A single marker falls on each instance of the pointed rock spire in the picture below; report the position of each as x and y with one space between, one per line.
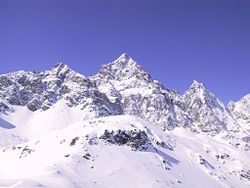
60 70
59 67
197 84
123 61
241 110
198 89
63 71
123 57
205 108
124 67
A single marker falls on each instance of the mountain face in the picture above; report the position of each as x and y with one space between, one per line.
205 109
40 90
120 87
121 109
138 94
241 111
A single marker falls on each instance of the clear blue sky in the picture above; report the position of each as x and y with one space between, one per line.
176 41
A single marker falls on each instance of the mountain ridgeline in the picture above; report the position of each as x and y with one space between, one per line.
122 87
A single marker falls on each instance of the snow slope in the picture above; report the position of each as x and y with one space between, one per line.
78 156
26 125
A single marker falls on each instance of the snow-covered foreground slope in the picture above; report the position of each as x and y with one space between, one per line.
123 151
23 124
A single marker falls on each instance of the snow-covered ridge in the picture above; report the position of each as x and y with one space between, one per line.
118 128
120 87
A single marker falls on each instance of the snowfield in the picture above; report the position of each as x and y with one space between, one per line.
78 156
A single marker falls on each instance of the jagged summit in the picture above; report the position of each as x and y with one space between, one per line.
196 84
60 65
124 57
196 89
63 71
241 111
124 61
199 90
60 70
123 68
205 108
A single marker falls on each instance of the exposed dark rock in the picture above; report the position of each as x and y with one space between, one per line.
136 139
245 174
73 141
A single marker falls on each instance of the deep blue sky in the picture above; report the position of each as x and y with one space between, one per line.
176 41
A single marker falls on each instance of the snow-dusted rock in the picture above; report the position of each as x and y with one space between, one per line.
137 93
241 111
122 87
207 112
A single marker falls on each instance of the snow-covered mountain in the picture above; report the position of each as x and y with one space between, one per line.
241 111
119 127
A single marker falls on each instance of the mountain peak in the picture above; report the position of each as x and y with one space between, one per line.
198 90
59 66
124 60
124 67
197 84
60 70
124 56
243 104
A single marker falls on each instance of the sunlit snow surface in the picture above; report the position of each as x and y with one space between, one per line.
76 156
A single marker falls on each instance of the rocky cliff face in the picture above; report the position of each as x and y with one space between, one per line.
40 90
241 111
137 93
121 87
207 112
